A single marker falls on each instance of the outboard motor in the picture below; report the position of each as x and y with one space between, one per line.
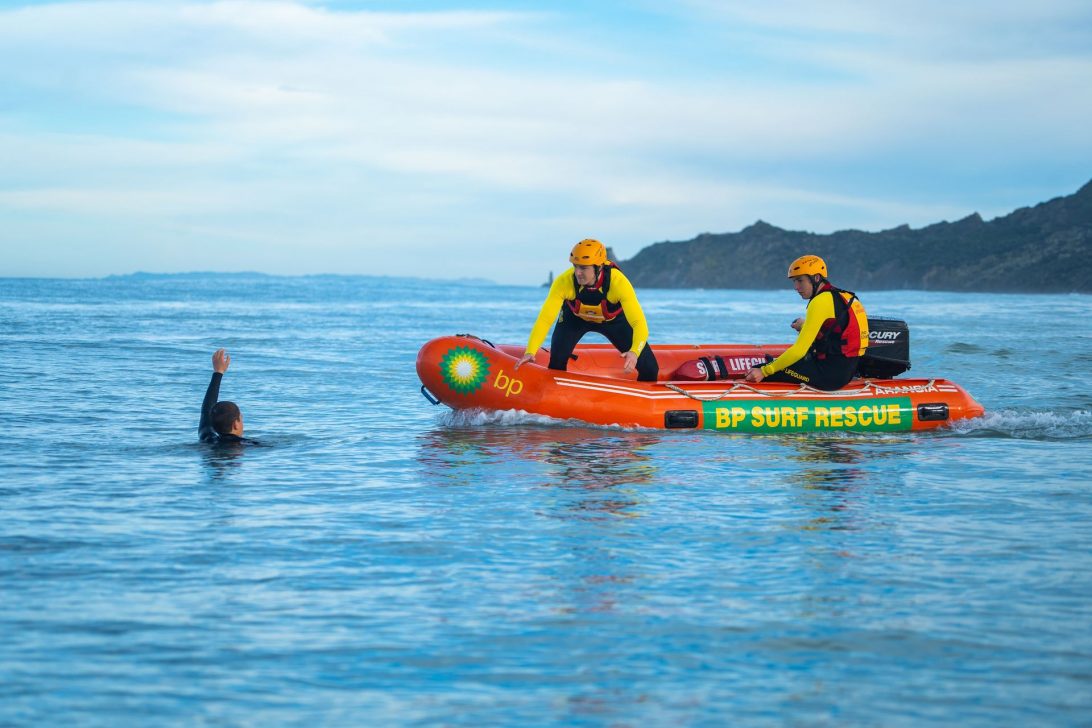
888 353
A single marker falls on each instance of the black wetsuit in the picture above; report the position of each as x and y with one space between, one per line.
205 432
570 328
826 374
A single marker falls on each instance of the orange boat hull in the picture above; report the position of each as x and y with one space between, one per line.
465 372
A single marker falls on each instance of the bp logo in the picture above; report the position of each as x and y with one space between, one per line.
464 369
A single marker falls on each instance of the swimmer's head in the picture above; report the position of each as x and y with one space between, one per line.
224 416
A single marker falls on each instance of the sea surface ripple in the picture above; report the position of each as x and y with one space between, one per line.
378 560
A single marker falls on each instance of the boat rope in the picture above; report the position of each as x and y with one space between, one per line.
478 338
867 387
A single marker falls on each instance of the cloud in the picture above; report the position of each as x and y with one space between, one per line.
258 121
935 29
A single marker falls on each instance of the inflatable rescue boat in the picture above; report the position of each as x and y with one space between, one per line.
465 372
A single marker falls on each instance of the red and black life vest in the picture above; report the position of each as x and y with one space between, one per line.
591 302
846 335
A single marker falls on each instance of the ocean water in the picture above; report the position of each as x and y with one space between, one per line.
381 561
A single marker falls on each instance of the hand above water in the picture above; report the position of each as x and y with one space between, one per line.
221 360
523 360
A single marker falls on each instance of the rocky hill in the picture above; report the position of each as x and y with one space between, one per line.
1045 249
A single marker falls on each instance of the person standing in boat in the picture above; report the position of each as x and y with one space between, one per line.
833 333
593 295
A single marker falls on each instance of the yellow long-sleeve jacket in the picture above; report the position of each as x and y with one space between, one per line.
820 310
563 289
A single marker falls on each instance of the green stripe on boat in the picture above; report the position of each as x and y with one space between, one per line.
889 414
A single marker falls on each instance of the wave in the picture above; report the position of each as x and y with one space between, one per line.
961 347
1025 425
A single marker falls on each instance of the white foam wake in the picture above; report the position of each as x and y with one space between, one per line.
1031 425
495 418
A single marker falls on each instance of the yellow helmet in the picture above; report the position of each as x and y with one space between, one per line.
588 252
808 265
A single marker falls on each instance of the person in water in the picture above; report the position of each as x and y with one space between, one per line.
593 295
220 421
833 333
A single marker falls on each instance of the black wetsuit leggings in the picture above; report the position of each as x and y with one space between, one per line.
570 328
825 374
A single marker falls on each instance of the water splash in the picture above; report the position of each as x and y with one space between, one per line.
1029 425
497 418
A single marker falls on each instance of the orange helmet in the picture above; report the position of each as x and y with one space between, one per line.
588 252
808 265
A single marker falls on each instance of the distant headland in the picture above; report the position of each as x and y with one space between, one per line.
1041 249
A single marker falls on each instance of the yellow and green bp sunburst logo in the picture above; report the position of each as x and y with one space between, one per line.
464 369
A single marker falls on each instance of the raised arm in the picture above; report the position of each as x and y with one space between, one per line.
220 362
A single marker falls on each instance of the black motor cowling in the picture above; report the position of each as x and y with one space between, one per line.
888 353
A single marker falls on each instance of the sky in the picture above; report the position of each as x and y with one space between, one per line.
483 139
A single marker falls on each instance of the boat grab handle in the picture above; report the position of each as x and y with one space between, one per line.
429 395
472 336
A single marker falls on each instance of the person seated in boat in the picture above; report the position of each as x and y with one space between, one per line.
593 295
833 333
221 422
